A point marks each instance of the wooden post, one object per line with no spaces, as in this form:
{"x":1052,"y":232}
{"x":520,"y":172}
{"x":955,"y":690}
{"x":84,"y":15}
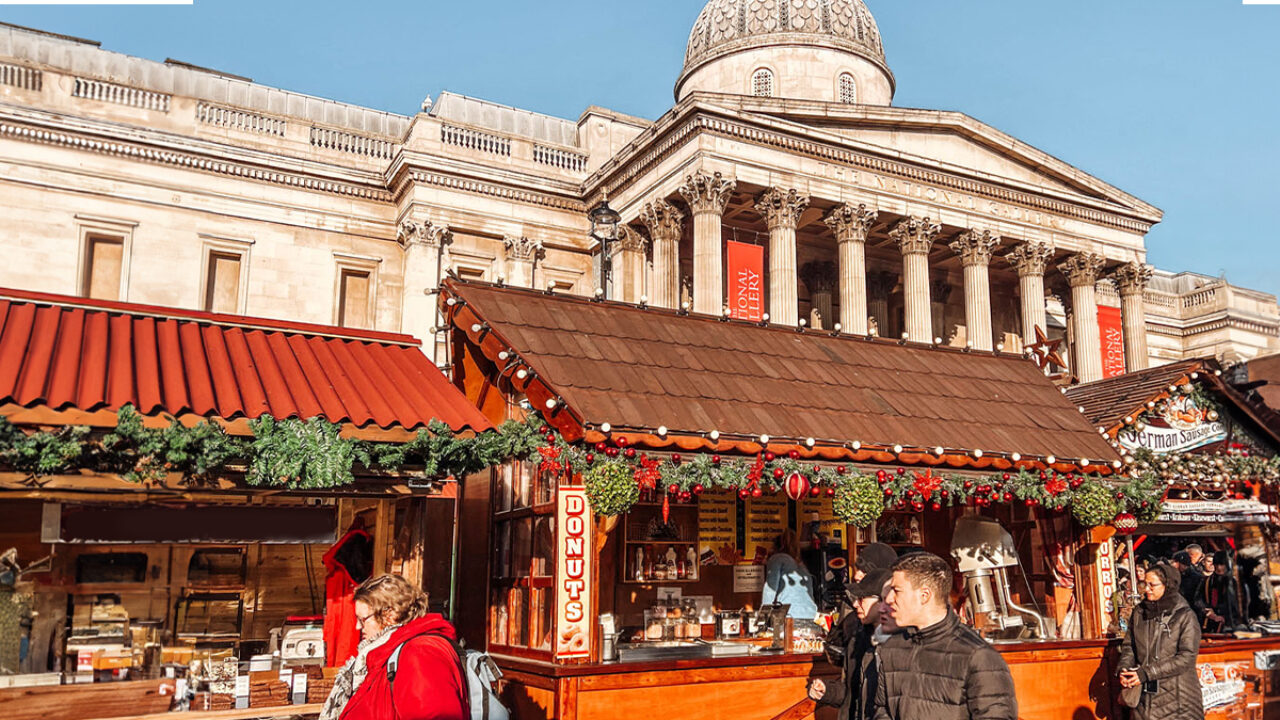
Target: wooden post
{"x":384,"y":517}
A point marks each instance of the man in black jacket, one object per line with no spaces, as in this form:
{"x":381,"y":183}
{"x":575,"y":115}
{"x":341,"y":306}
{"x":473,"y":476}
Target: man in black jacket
{"x":937,"y":668}
{"x":855,"y":695}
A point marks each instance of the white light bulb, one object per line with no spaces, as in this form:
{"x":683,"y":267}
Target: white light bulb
{"x":605,"y":427}
{"x":764,"y":439}
{"x":857,"y":445}
{"x":662,"y":431}
{"x":1051,"y":460}
{"x":715,"y":435}
{"x":644,"y":299}
{"x":837,"y":327}
{"x":551,"y":285}
{"x":765,"y":317}
{"x":504,"y":355}
{"x":522,"y":373}
{"x":977,"y":453}
{"x":1016,"y":457}
{"x":999,"y":347}
{"x":803,"y":322}
{"x":938,"y":451}
{"x":684,"y":306}
{"x":809,"y":442}
{"x":937,"y":341}
{"x":599,"y":292}
{"x":476,"y":327}
{"x":905,"y":336}
{"x":451,"y":302}
{"x":551,"y":404}
{"x":897,"y":449}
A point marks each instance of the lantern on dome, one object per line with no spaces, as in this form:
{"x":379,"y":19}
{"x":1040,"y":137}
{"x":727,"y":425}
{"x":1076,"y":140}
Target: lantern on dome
{"x":797,"y":486}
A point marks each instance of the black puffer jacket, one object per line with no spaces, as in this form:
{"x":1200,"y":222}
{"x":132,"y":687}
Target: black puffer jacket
{"x":943,"y":672}
{"x":1163,"y":642}
{"x":855,"y":694}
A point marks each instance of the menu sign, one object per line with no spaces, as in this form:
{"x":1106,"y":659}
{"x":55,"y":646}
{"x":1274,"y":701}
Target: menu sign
{"x":573,"y":593}
{"x":766,"y":520}
{"x":718,"y":528}
{"x":820,"y":510}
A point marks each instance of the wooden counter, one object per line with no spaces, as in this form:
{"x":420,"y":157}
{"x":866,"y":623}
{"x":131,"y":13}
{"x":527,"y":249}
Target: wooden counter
{"x":287,"y":711}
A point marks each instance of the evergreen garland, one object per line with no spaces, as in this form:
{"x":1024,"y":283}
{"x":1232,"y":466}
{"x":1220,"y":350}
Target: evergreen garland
{"x":611,"y":488}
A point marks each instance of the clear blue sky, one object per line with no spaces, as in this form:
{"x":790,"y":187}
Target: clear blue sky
{"x":1175,"y":101}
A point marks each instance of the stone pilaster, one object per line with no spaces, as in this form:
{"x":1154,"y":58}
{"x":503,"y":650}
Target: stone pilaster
{"x":1132,"y":281}
{"x":914,"y":237}
{"x":1030,"y":260}
{"x":851,"y":225}
{"x":707,"y":195}
{"x":820,"y":276}
{"x":666,"y":225}
{"x":781,"y":210}
{"x":975,"y":248}
{"x":522,"y":257}
{"x":880,"y":284}
{"x":1082,"y":271}
{"x":426,"y":247}
{"x":628,"y":265}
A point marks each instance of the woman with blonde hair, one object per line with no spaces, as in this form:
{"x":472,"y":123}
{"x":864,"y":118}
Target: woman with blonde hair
{"x":407,"y":666}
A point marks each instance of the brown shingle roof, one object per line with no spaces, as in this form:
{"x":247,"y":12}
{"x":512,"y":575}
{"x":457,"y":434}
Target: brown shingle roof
{"x":1107,"y":402}
{"x":647,"y":368}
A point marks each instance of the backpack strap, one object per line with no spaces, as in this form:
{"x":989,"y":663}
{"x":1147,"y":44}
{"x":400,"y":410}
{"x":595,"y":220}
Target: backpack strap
{"x":393,"y":665}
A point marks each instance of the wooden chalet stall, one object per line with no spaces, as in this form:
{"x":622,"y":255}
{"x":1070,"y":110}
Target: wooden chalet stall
{"x":134,"y":568}
{"x":1214,"y":449}
{"x":712,"y":419}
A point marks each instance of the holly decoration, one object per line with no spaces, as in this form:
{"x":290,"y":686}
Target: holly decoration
{"x":1095,"y":505}
{"x":610,"y":487}
{"x":859,"y":502}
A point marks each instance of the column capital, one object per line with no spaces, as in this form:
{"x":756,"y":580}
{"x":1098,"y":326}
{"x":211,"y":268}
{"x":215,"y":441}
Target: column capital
{"x":781,"y":208}
{"x":707,"y":192}
{"x":881,"y":282}
{"x":940,"y":290}
{"x":915,"y":236}
{"x":850,"y":223}
{"x":1132,"y":278}
{"x":819,"y":276}
{"x":522,"y":248}
{"x":423,"y":233}
{"x":631,"y":240}
{"x":1030,"y":258}
{"x":664,"y":220}
{"x":1082,"y":269}
{"x":975,"y":247}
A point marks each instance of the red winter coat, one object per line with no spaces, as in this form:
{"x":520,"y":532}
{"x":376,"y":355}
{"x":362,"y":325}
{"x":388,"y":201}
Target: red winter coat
{"x":428,"y":685}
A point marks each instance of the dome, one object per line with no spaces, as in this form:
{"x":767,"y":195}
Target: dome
{"x":824,"y":30}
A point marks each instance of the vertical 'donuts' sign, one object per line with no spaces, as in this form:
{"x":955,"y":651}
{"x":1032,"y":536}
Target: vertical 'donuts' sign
{"x":573,"y":574}
{"x":746,"y":280}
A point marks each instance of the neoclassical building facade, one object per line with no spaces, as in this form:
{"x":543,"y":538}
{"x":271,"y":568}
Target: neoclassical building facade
{"x":169,"y":184}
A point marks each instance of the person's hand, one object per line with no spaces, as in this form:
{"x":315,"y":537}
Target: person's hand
{"x":817,"y":689}
{"x":1214,"y":616}
{"x":1129,"y":678}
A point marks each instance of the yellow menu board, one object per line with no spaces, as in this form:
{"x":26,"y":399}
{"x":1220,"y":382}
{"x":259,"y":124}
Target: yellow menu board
{"x":718,"y":528}
{"x":810,"y":509}
{"x":766,"y":519}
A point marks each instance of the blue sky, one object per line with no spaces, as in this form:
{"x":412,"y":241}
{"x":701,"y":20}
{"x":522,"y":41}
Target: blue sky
{"x":1175,"y":101}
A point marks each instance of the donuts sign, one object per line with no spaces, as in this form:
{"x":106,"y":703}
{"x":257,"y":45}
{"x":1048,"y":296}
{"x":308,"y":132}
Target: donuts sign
{"x":573,"y":574}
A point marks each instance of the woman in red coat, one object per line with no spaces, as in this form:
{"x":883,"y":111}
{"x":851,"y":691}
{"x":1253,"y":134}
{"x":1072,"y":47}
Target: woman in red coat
{"x":428,"y":683}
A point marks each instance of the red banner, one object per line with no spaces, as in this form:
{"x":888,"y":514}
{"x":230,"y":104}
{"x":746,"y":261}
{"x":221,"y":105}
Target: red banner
{"x":1112,"y":336}
{"x":746,"y":280}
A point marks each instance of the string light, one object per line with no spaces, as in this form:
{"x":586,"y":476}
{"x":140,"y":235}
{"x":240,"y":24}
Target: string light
{"x":605,"y":428}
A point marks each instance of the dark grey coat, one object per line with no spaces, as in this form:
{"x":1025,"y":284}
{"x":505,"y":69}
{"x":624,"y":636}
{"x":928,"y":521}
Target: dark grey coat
{"x":1163,"y":644}
{"x":943,"y":672}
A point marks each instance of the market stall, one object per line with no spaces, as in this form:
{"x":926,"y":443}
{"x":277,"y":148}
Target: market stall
{"x":1215,"y":451}
{"x":190,"y":498}
{"x":628,"y":564}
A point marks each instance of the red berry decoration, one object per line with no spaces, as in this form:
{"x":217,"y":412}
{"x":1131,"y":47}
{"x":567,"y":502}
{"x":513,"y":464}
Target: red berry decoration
{"x":777,"y":473}
{"x":611,"y":452}
{"x":744,"y":493}
{"x":621,"y":442}
{"x":917,"y":506}
{"x":902,"y":471}
{"x":697,"y":489}
{"x":935,"y":507}
{"x":968,"y":484}
{"x":815,"y":491}
{"x":673,"y":488}
{"x":840,"y":469}
{"x":797,"y":486}
{"x":1145,"y":505}
{"x":1030,"y":502}
{"x":686,"y":496}
{"x":1006,"y":477}
{"x":630,"y":453}
{"x":793,"y":454}
{"x":1125,"y":524}
{"x":757,"y":493}
{"x":675,"y":459}
{"x":770,"y":457}
{"x":715,"y":459}
{"x":1075,"y":484}
{"x":591,"y":457}
{"x":882,"y":476}
{"x":1120,"y":495}
{"x":888,"y":492}
{"x":831,"y":492}
{"x":601,"y":447}
{"x":944,"y":494}
{"x":1008,"y":497}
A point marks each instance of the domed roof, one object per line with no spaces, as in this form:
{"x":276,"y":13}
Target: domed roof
{"x":726,"y":26}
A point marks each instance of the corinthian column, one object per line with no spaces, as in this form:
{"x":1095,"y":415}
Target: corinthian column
{"x":1082,"y":271}
{"x":851,"y":225}
{"x":666,"y":225}
{"x":914,"y":237}
{"x":820,"y":277}
{"x":781,"y":210}
{"x":1132,"y":281}
{"x":707,"y":196}
{"x":522,"y":256}
{"x":1030,"y":259}
{"x":975,"y":248}
{"x":879,"y":284}
{"x":628,"y":264}
{"x":424,"y":247}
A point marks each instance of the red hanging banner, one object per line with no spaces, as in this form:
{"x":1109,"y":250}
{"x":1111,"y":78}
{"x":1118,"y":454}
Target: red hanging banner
{"x":746,"y":280}
{"x":1112,"y":336}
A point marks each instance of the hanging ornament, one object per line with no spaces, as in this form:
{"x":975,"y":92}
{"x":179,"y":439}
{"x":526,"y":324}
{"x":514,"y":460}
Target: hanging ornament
{"x":697,"y":489}
{"x":797,"y":486}
{"x":815,"y":491}
{"x":1125,"y":524}
{"x":666,"y":509}
{"x":793,"y":454}
{"x":629,"y":453}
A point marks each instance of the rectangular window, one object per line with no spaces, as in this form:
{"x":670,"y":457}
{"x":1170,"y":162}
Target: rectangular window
{"x":222,"y":286}
{"x":353,"y":299}
{"x":521,"y":599}
{"x":103,"y":266}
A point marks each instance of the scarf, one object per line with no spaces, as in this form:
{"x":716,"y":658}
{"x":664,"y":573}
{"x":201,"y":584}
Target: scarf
{"x":1166,"y":603}
{"x":351,"y":676}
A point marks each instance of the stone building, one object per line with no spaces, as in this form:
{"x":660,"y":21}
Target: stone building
{"x":170,"y":184}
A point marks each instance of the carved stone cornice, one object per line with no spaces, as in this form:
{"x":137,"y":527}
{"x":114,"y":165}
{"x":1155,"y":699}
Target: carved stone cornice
{"x":1132,"y":279}
{"x":425,"y":233}
{"x":1030,"y":258}
{"x":1082,"y":269}
{"x":820,"y":276}
{"x":781,"y":208}
{"x":664,"y":220}
{"x":975,"y":247}
{"x":880,"y":283}
{"x":523,"y":249}
{"x":630,"y":240}
{"x":915,"y":236}
{"x":708,"y":193}
{"x":851,"y":223}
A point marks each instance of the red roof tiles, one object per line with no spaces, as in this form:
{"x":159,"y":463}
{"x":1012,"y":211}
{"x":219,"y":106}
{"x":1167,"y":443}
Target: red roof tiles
{"x":647,"y":368}
{"x":67,"y":352}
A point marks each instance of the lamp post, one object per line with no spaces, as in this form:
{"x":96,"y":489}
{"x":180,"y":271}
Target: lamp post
{"x":604,"y":229}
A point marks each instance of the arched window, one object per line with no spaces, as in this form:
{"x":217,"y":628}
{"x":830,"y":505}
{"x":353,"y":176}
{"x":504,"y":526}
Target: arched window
{"x":762,"y":83}
{"x":848,"y":89}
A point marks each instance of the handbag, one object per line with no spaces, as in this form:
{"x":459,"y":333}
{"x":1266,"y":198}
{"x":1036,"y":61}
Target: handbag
{"x":1131,"y":696}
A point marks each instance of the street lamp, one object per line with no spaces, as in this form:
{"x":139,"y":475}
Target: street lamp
{"x":604,"y":229}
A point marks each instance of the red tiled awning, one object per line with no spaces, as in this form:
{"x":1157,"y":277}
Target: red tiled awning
{"x":66,"y":352}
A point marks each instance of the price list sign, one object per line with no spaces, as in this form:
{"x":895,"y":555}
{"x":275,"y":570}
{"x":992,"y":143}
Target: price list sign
{"x":718,"y":528}
{"x":810,"y":509}
{"x":766,"y":518}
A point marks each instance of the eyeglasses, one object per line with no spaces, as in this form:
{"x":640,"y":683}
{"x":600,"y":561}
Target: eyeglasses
{"x":365,"y":619}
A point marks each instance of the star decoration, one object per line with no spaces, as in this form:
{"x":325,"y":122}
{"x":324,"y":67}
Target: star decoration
{"x":1046,"y":351}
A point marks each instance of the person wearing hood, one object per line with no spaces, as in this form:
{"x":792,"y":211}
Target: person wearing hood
{"x":1219,"y":601}
{"x":875,"y":556}
{"x":1159,"y":651}
{"x":427,"y":682}
{"x":1192,"y":578}
{"x":855,"y":694}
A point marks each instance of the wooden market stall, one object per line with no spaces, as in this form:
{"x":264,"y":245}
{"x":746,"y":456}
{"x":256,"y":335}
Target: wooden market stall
{"x":623,"y":565}
{"x":171,"y":483}
{"x":1215,"y":450}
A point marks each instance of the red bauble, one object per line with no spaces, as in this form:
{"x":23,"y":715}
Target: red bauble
{"x":769,"y":457}
{"x":797,"y":486}
{"x":840,"y":469}
{"x":744,"y":493}
{"x":1008,"y":497}
{"x":882,"y":476}
{"x":1145,"y":505}
{"x":793,"y":454}
{"x":888,"y":492}
{"x":831,"y":492}
{"x":673,"y":488}
{"x":1075,"y":484}
{"x":1005,"y":477}
{"x":590,"y":457}
{"x":935,"y":507}
{"x":1125,"y":524}
{"x":815,"y":491}
{"x":715,"y":459}
{"x":611,"y":452}
{"x":902,"y":471}
{"x":1120,"y":495}
{"x":757,"y":493}
{"x":968,"y":485}
{"x":1030,"y":502}
{"x":630,"y":453}
{"x":620,"y":441}
{"x":697,"y":489}
{"x":686,"y":496}
{"x":917,"y":506}
{"x":600,"y":447}
{"x":777,"y":473}
{"x":944,"y":494}
{"x":675,"y":459}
